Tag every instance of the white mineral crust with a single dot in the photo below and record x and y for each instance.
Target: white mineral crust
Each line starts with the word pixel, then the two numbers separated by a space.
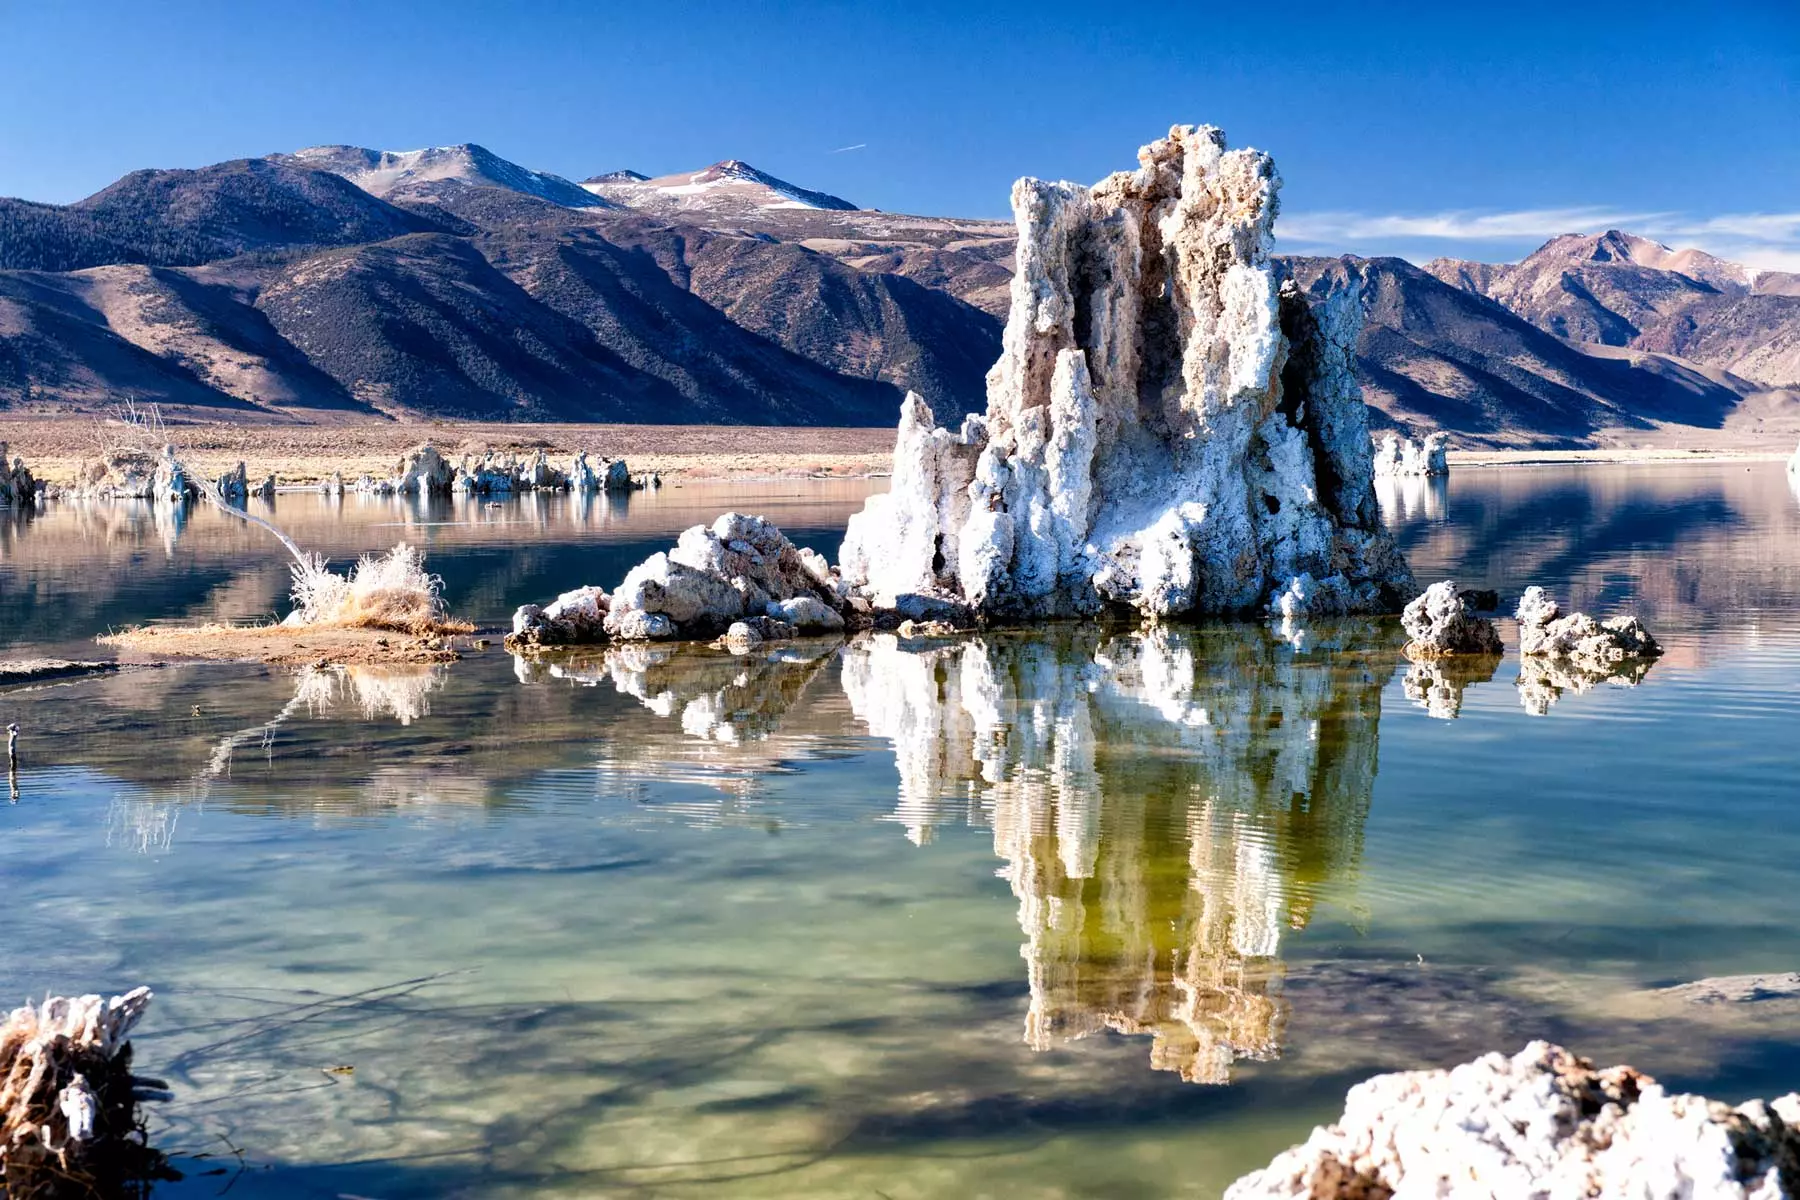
pixel 1441 621
pixel 1403 456
pixel 1539 1125
pixel 1578 638
pixel 1167 428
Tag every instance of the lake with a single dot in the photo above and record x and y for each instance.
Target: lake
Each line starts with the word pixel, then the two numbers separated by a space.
pixel 1080 911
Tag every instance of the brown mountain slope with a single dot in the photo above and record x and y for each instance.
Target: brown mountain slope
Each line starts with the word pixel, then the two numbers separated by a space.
pixel 59 354
pixel 425 324
pixel 1616 289
pixel 1433 356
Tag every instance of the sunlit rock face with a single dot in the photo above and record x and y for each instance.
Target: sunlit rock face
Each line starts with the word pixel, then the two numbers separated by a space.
pixel 1167 804
pixel 1168 428
pixel 1540 1123
pixel 1402 457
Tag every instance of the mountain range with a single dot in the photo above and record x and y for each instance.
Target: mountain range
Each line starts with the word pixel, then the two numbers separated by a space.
pixel 338 281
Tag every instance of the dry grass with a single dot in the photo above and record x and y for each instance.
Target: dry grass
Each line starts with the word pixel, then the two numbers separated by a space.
pixel 392 591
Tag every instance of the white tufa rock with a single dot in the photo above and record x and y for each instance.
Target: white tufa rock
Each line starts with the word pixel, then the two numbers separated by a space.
pixel 735 569
pixel 1579 638
pixel 1167 429
pixel 50 1113
pixel 1540 1124
pixel 572 618
pixel 1441 622
pixel 423 472
pixel 234 485
pixel 1793 463
pixel 17 488
pixel 1403 456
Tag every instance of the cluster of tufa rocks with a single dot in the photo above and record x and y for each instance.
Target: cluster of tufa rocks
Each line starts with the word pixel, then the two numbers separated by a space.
pixel 17 488
pixel 1169 428
pixel 739 579
pixel 1403 456
pixel 1542 1123
pixel 425 472
pixel 1578 638
pixel 1444 621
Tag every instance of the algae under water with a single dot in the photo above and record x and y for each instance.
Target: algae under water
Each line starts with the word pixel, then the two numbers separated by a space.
pixel 1059 913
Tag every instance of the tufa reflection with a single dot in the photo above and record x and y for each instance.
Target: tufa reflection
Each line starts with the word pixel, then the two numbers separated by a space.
pixel 1167 804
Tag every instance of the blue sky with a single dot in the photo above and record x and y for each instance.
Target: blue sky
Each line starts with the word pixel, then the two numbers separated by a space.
pixel 1418 129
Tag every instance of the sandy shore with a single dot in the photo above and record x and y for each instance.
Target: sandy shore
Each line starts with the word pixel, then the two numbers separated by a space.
pixel 300 455
pixel 1537 458
pixel 276 644
pixel 55 448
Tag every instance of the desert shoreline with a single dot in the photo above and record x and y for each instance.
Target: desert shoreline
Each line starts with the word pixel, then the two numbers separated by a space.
pixel 55 448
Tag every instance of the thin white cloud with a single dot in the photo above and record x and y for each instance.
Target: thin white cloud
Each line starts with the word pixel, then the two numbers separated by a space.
pixel 1765 241
pixel 847 149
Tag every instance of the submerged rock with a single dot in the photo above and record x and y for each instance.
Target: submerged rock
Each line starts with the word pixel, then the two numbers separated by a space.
pixel 1442 621
pixel 1166 429
pixel 746 635
pixel 1595 645
pixel 1542 1123
pixel 1402 456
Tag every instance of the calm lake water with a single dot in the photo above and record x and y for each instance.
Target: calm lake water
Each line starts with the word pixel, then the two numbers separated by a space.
pixel 1071 913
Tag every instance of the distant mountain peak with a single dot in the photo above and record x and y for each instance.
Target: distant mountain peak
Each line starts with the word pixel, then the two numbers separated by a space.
pixel 727 186
pixel 382 172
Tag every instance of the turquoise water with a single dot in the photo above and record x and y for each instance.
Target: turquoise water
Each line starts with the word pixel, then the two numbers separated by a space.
pixel 1072 913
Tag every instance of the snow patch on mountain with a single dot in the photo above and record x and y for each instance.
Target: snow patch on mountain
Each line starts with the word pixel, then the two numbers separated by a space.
pixel 724 186
pixel 382 172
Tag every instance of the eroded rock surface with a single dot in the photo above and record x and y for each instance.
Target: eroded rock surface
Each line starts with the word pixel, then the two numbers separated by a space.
pixel 1402 456
pixel 1442 621
pixel 1167 429
pixel 1578 638
pixel 1542 1123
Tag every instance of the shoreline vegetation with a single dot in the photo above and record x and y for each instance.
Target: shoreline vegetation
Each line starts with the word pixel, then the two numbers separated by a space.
pixel 299 456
